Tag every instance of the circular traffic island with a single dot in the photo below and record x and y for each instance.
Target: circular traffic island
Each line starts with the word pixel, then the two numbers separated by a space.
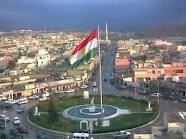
pixel 65 114
pixel 91 112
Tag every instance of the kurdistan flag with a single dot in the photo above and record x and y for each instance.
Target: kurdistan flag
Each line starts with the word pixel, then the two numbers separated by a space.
pixel 85 50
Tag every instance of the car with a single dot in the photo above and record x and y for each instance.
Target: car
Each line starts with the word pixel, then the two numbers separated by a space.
pixel 105 79
pixel 34 97
pixel 16 121
pixel 157 133
pixel 42 136
pixel 111 81
pixel 2 125
pixel 4 117
pixel 19 110
pixel 22 129
pixel 46 94
pixel 156 94
pixel 60 92
pixel 70 90
pixel 23 100
pixel 11 101
pixel 43 98
pixel 94 84
pixel 183 100
pixel 121 134
pixel 63 91
pixel 84 86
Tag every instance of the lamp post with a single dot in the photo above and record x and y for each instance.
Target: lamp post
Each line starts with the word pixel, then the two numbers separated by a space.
pixel 158 92
pixel 5 122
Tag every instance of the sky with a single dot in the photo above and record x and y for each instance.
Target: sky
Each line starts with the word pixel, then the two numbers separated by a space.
pixel 87 14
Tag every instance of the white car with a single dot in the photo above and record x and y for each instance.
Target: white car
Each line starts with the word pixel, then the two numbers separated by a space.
pixel 122 134
pixel 62 91
pixel 70 90
pixel 183 100
pixel 84 86
pixel 16 121
pixel 34 97
pixel 23 100
pixel 156 94
pixel 158 133
pixel 94 84
pixel 43 98
pixel 46 94
pixel 4 117
pixel 11 101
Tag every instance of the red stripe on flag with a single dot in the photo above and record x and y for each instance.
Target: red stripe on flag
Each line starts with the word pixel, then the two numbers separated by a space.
pixel 92 36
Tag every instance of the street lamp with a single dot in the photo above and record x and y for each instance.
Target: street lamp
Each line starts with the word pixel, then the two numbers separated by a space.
pixel 158 92
pixel 5 121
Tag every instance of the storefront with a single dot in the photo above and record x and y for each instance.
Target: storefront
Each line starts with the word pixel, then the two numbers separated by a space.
pixel 61 85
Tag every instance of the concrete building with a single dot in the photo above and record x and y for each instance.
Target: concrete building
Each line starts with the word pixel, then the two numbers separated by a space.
pixel 43 58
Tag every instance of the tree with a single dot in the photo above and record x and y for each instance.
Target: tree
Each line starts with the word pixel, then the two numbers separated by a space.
pixel 53 115
pixel 12 64
pixel 163 86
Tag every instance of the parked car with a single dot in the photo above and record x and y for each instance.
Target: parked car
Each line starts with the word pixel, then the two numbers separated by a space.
pixel 105 79
pixel 121 135
pixel 16 121
pixel 23 100
pixel 156 94
pixel 11 101
pixel 4 117
pixel 94 84
pixel 43 98
pixel 34 97
pixel 158 133
pixel 22 129
pixel 2 125
pixel 19 110
pixel 42 136
pixel 60 92
pixel 84 86
pixel 183 100
pixel 46 94
pixel 70 90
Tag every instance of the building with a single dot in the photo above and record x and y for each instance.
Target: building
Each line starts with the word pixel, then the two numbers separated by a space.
pixel 175 72
pixel 43 58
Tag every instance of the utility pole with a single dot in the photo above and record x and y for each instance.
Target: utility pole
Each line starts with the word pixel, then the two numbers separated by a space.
pixel 158 92
pixel 5 122
pixel 106 32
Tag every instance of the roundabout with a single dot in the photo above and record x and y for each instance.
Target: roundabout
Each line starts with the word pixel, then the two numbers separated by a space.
pixel 121 113
pixel 91 112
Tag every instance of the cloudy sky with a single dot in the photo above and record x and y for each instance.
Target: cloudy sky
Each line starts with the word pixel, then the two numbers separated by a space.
pixel 86 14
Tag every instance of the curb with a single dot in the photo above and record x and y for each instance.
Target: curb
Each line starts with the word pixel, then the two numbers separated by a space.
pixel 39 127
pixel 97 134
pixel 108 133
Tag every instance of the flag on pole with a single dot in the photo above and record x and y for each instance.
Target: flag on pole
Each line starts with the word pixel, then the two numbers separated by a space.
pixel 85 50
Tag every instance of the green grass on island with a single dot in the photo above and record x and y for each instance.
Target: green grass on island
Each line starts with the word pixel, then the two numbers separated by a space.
pixel 120 123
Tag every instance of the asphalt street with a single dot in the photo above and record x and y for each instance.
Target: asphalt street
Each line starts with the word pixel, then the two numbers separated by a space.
pixel 168 106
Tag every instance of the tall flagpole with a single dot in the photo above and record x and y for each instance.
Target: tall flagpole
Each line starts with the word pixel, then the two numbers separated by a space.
pixel 100 75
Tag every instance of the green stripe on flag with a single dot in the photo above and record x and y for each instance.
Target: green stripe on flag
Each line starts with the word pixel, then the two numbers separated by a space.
pixel 91 54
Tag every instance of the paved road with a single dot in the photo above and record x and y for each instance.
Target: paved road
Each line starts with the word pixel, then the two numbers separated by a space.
pixel 168 106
